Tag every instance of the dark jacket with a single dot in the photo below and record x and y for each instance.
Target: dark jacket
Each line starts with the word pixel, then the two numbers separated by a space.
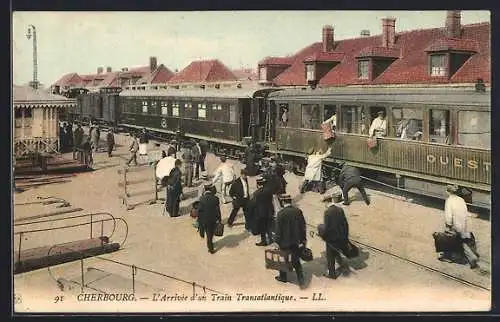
pixel 335 227
pixel 144 138
pixel 196 153
pixel 290 227
pixel 236 191
pixel 203 148
pixel 174 180
pixel 348 173
pixel 262 210
pixel 110 138
pixel 78 137
pixel 209 209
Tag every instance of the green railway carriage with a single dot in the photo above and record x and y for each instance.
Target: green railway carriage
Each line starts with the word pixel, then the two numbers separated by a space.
pixel 447 138
pixel 223 117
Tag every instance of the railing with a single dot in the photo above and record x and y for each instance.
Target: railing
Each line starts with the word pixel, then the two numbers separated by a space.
pixel 24 147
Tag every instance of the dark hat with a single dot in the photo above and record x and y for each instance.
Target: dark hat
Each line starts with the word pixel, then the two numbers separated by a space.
pixel 208 187
pixel 157 144
pixel 261 180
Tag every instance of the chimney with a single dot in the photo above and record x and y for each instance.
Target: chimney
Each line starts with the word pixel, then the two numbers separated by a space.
pixel 328 38
pixel 388 32
pixel 124 69
pixel 153 64
pixel 365 33
pixel 108 69
pixel 100 70
pixel 453 27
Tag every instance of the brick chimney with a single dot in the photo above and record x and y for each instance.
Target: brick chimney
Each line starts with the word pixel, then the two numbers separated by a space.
pixel 388 32
pixel 153 64
pixel 328 38
pixel 108 69
pixel 453 26
pixel 365 33
pixel 100 70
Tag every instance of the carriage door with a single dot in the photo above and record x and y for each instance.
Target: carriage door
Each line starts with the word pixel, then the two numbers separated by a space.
pixel 246 109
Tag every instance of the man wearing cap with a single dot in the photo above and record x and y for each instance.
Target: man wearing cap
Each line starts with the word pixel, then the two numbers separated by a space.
pixel 378 128
pixel 335 232
pixel 455 216
pixel 208 215
pixel 350 177
pixel 174 190
pixel 263 212
pixel 312 174
pixel 290 234
pixel 239 192
pixel 225 174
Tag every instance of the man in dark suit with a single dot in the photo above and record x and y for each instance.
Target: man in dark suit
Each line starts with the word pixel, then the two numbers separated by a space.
pixel 195 151
pixel 174 190
pixel 290 234
pixel 350 177
pixel 208 215
pixel 263 212
pixel 335 232
pixel 203 148
pixel 240 193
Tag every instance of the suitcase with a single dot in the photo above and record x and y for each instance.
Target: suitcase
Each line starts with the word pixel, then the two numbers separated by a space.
pixel 279 260
pixel 447 241
pixel 219 229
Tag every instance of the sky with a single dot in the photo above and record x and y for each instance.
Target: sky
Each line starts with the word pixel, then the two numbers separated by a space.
pixel 82 41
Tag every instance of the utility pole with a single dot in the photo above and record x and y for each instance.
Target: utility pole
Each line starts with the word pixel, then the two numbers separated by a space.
pixel 32 32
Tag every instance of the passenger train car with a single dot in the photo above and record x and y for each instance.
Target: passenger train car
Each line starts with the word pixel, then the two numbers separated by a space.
pixel 435 136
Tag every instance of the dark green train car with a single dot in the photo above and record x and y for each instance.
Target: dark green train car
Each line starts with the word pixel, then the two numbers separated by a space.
pixel 220 116
pixel 448 139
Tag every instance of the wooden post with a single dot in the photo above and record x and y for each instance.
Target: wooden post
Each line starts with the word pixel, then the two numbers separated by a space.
pixel 22 123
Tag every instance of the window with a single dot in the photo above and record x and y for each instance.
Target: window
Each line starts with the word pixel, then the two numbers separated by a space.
pixel 474 129
pixel 202 110
pixel 311 116
pixel 233 117
pixel 437 65
pixel 363 66
pixel 154 106
pixel 408 123
pixel 350 119
pixel 18 117
pixel 284 114
pixel 164 108
pixel 263 73
pixel 214 107
pixel 145 107
pixel 439 126
pixel 219 107
pixel 310 72
pixel 175 109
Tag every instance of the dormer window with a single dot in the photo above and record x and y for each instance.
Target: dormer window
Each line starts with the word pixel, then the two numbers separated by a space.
pixel 263 73
pixel 363 69
pixel 437 65
pixel 310 72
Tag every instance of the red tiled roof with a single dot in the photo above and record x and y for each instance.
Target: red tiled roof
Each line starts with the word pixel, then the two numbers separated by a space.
pixel 411 65
pixel 204 71
pixel 110 80
pixel 376 51
pixel 277 61
pixel 245 74
pixel 160 75
pixel 322 56
pixel 454 44
pixel 71 79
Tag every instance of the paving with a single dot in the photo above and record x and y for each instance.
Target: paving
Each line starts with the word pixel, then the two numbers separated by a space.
pixel 394 235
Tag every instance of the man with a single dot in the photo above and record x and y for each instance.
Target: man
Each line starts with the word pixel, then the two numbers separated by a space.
pixel 143 142
pixel 77 139
pixel 455 215
pixel 196 152
pixel 188 159
pixel 174 190
pixel 239 192
pixel 263 212
pixel 203 148
pixel 224 173
pixel 172 150
pixel 350 177
pixel 290 234
pixel 62 137
pixel 163 169
pixel 87 152
pixel 312 173
pixel 95 134
pixel 68 132
pixel 250 160
pixel 134 147
pixel 209 215
pixel 110 139
pixel 378 127
pixel 335 232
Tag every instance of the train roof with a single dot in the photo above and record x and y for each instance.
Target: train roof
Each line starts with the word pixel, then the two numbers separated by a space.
pixel 445 96
pixel 199 93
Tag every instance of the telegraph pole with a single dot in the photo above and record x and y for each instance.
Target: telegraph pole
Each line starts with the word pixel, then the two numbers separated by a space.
pixel 32 32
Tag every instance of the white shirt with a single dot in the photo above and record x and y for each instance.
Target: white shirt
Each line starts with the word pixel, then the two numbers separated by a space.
pixel 455 214
pixel 164 166
pixel 313 168
pixel 224 171
pixel 244 183
pixel 379 126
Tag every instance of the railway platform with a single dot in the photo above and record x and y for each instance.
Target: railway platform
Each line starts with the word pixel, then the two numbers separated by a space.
pixel 397 269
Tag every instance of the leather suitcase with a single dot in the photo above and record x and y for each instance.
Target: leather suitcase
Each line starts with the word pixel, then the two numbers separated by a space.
pixel 278 260
pixel 447 241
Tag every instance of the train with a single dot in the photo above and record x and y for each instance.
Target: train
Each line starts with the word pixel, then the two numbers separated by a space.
pixel 446 137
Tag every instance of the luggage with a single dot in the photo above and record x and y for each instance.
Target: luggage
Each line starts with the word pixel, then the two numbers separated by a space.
pixel 194 210
pixel 448 241
pixel 305 254
pixel 219 229
pixel 371 142
pixel 351 250
pixel 279 260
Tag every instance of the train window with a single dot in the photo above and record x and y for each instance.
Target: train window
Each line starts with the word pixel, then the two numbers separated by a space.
pixel 439 126
pixel 408 123
pixel 214 107
pixel 202 111
pixel 350 122
pixel 232 114
pixel 145 107
pixel 175 109
pixel 154 106
pixel 164 108
pixel 474 129
pixel 311 116
pixel 219 107
pixel 284 109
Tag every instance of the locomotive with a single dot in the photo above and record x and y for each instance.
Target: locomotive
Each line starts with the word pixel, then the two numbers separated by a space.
pixel 446 136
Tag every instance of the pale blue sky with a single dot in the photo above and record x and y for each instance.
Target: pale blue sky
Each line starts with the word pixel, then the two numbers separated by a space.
pixel 82 41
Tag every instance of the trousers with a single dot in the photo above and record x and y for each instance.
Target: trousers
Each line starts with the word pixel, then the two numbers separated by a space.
pixel 297 266
pixel 354 182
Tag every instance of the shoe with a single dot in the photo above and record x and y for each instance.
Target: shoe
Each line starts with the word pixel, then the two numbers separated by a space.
pixel 211 251
pixel 368 202
pixel 473 265
pixel 279 279
pixel 445 259
pixel 346 203
pixel 261 244
pixel 332 276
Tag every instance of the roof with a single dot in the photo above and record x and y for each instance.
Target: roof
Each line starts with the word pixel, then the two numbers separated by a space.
pixel 431 95
pixel 204 71
pixel 71 79
pixel 469 45
pixel 160 75
pixel 325 57
pixel 410 67
pixel 277 60
pixel 26 96
pixel 199 93
pixel 245 74
pixel 135 72
pixel 110 80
